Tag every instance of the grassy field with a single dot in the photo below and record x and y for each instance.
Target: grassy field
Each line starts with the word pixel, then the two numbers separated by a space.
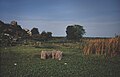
pixel 24 61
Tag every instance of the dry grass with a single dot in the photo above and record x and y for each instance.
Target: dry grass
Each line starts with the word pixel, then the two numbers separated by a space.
pixel 108 47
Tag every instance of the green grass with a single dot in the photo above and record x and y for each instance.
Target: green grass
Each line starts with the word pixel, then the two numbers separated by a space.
pixel 29 63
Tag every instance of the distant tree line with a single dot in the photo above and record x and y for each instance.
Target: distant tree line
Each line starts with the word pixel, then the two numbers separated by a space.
pixel 12 33
pixel 44 36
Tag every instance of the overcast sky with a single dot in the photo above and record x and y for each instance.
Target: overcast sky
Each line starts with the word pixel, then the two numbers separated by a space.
pixel 98 17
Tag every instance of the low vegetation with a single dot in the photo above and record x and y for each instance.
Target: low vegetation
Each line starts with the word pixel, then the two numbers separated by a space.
pixel 25 61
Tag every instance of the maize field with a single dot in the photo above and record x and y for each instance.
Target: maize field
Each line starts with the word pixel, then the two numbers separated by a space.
pixel 108 47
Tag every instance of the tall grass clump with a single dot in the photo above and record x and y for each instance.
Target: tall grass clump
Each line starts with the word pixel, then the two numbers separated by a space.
pixel 108 47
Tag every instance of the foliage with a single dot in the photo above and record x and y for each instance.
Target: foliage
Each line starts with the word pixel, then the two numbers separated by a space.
pixel 14 32
pixel 12 29
pixel 11 33
pixel 75 32
pixel 46 36
pixel 34 31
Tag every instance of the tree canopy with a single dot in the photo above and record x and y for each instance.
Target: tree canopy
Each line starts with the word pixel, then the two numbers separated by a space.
pixel 75 32
pixel 34 31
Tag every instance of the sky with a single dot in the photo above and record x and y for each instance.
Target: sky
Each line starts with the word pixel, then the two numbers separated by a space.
pixel 99 18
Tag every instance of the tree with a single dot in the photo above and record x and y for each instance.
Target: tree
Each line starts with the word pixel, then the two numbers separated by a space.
pixel 46 35
pixel 43 33
pixel 49 35
pixel 75 32
pixel 34 31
